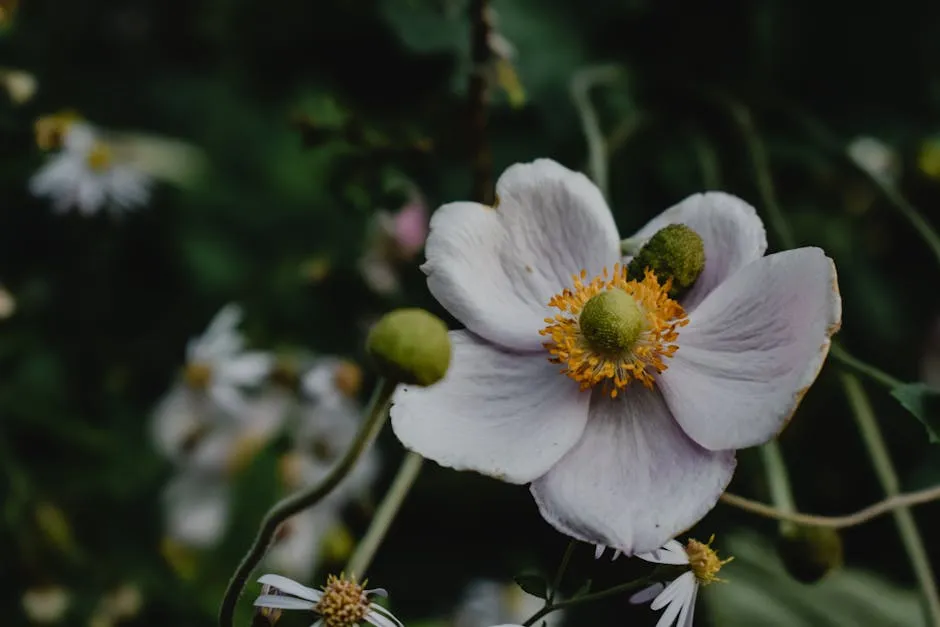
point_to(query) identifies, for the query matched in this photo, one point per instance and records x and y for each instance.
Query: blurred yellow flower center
(51, 129)
(344, 603)
(197, 375)
(99, 157)
(613, 330)
(348, 378)
(244, 451)
(704, 561)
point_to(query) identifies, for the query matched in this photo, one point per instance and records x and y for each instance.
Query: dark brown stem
(481, 158)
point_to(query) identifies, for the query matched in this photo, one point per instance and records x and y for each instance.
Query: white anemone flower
(218, 364)
(86, 175)
(627, 438)
(678, 597)
(341, 603)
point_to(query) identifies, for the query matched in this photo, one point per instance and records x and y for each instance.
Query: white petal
(682, 591)
(381, 619)
(671, 553)
(289, 586)
(496, 270)
(220, 339)
(731, 231)
(228, 398)
(246, 369)
(647, 594)
(688, 609)
(500, 413)
(283, 603)
(635, 480)
(753, 348)
(599, 550)
(196, 509)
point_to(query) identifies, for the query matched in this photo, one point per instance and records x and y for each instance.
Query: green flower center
(612, 322)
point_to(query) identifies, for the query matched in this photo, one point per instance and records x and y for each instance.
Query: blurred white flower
(86, 175)
(46, 605)
(196, 509)
(7, 303)
(21, 86)
(122, 603)
(331, 381)
(340, 603)
(875, 157)
(488, 602)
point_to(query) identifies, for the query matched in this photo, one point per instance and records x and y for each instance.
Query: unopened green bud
(675, 252)
(410, 346)
(810, 553)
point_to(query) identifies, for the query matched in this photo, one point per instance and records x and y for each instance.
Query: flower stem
(375, 420)
(481, 157)
(566, 558)
(854, 363)
(630, 586)
(581, 85)
(778, 480)
(404, 480)
(887, 476)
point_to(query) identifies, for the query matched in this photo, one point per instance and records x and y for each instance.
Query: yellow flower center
(99, 157)
(348, 378)
(704, 561)
(344, 602)
(51, 129)
(613, 330)
(197, 375)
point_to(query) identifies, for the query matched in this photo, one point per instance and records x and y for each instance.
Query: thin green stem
(778, 480)
(565, 560)
(763, 179)
(581, 85)
(857, 365)
(887, 476)
(630, 586)
(385, 515)
(707, 160)
(827, 140)
(375, 420)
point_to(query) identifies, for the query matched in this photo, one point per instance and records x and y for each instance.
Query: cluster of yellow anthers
(344, 602)
(589, 366)
(704, 561)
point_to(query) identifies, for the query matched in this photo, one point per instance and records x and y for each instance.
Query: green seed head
(410, 346)
(810, 553)
(676, 252)
(612, 322)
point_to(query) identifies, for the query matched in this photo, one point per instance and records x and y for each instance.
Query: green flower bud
(676, 252)
(810, 553)
(410, 346)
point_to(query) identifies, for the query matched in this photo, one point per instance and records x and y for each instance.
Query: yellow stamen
(589, 366)
(99, 157)
(51, 129)
(348, 378)
(704, 561)
(197, 375)
(344, 602)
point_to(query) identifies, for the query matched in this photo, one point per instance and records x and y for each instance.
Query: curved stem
(404, 480)
(884, 468)
(863, 515)
(565, 560)
(778, 479)
(376, 415)
(587, 598)
(581, 85)
(854, 363)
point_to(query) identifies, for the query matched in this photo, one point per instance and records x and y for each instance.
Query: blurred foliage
(310, 115)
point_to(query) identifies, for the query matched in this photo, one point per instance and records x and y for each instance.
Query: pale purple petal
(289, 586)
(753, 348)
(496, 269)
(283, 603)
(504, 414)
(731, 231)
(647, 594)
(634, 480)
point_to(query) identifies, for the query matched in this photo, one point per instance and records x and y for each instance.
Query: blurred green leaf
(923, 401)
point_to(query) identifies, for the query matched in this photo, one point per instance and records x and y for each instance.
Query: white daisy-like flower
(620, 405)
(87, 176)
(218, 365)
(331, 381)
(678, 597)
(341, 603)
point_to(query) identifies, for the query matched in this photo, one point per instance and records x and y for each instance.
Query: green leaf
(533, 583)
(584, 589)
(924, 402)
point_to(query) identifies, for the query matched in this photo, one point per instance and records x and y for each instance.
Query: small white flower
(678, 597)
(7, 303)
(20, 85)
(331, 381)
(341, 603)
(488, 602)
(875, 157)
(87, 175)
(46, 605)
(626, 438)
(218, 364)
